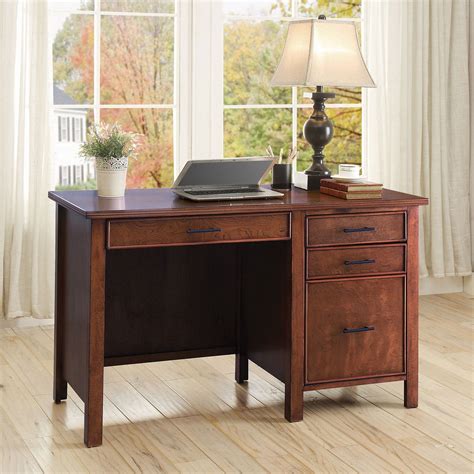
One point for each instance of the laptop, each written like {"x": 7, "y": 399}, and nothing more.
{"x": 222, "y": 180}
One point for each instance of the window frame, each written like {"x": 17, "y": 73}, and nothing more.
{"x": 180, "y": 104}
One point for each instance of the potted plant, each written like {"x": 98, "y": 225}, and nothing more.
{"x": 111, "y": 147}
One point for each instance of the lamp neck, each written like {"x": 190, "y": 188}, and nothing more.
{"x": 319, "y": 97}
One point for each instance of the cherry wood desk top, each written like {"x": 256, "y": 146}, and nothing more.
{"x": 163, "y": 202}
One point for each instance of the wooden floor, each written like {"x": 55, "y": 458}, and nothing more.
{"x": 190, "y": 416}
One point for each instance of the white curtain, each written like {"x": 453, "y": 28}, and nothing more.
{"x": 26, "y": 216}
{"x": 419, "y": 124}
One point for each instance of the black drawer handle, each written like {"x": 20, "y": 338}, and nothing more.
{"x": 359, "y": 229}
{"x": 359, "y": 262}
{"x": 363, "y": 329}
{"x": 203, "y": 231}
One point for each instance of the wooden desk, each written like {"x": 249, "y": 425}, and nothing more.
{"x": 318, "y": 291}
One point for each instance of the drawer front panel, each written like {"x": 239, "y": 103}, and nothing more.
{"x": 197, "y": 230}
{"x": 355, "y": 328}
{"x": 355, "y": 229}
{"x": 355, "y": 261}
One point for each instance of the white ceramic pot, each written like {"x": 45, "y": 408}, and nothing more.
{"x": 111, "y": 176}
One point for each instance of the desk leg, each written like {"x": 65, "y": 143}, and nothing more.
{"x": 241, "y": 356}
{"x": 411, "y": 383}
{"x": 241, "y": 367}
{"x": 295, "y": 369}
{"x": 59, "y": 384}
{"x": 93, "y": 409}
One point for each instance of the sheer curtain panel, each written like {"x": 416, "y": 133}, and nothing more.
{"x": 418, "y": 123}
{"x": 26, "y": 216}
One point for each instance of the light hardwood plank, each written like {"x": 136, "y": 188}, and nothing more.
{"x": 130, "y": 402}
{"x": 224, "y": 452}
{"x": 190, "y": 416}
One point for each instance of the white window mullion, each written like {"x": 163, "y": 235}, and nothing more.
{"x": 182, "y": 112}
{"x": 97, "y": 61}
{"x": 207, "y": 78}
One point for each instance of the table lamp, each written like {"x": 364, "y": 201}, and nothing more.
{"x": 321, "y": 53}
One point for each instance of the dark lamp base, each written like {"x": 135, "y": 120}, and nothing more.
{"x": 318, "y": 131}
{"x": 314, "y": 182}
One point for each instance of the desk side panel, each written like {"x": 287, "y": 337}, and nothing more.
{"x": 75, "y": 275}
{"x": 265, "y": 304}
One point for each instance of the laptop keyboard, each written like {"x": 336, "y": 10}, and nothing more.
{"x": 222, "y": 191}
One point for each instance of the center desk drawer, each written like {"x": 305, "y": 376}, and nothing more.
{"x": 197, "y": 230}
{"x": 355, "y": 229}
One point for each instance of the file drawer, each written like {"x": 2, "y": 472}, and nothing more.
{"x": 355, "y": 328}
{"x": 135, "y": 233}
{"x": 352, "y": 260}
{"x": 355, "y": 229}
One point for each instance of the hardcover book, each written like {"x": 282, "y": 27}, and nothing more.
{"x": 349, "y": 187}
{"x": 351, "y": 195}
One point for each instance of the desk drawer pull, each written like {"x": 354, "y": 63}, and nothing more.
{"x": 203, "y": 231}
{"x": 363, "y": 329}
{"x": 359, "y": 262}
{"x": 359, "y": 229}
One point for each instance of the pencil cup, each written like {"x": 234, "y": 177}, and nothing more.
{"x": 282, "y": 174}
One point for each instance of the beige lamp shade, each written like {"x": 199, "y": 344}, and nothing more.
{"x": 322, "y": 53}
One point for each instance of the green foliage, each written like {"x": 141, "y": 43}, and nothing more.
{"x": 252, "y": 51}
{"x": 90, "y": 184}
{"x": 109, "y": 141}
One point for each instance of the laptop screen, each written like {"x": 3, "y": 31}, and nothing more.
{"x": 229, "y": 172}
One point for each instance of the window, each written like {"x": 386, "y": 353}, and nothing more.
{"x": 115, "y": 61}
{"x": 257, "y": 115}
{"x": 64, "y": 175}
{"x": 77, "y": 130}
{"x": 78, "y": 174}
{"x": 192, "y": 77}
{"x": 62, "y": 129}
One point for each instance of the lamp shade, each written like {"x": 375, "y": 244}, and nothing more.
{"x": 322, "y": 53}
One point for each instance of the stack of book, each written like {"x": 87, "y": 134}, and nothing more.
{"x": 351, "y": 190}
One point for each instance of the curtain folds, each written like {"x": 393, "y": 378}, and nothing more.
{"x": 26, "y": 216}
{"x": 418, "y": 123}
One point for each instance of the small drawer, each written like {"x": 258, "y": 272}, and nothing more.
{"x": 355, "y": 328}
{"x": 355, "y": 261}
{"x": 197, "y": 230}
{"x": 355, "y": 229}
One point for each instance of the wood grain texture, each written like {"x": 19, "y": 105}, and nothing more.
{"x": 265, "y": 304}
{"x": 162, "y": 203}
{"x": 197, "y": 230}
{"x": 246, "y": 297}
{"x": 172, "y": 300}
{"x": 344, "y": 430}
{"x": 60, "y": 383}
{"x": 356, "y": 229}
{"x": 75, "y": 300}
{"x": 336, "y": 307}
{"x": 294, "y": 381}
{"x": 93, "y": 413}
{"x": 352, "y": 261}
{"x": 411, "y": 383}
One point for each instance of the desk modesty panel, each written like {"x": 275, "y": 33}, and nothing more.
{"x": 318, "y": 291}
